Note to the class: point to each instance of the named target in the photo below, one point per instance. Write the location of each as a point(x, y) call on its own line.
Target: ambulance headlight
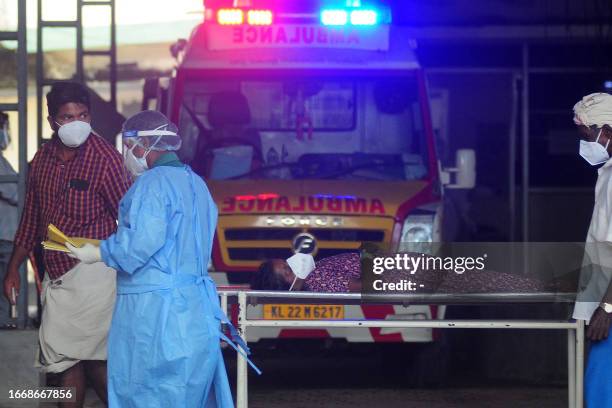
point(417, 233)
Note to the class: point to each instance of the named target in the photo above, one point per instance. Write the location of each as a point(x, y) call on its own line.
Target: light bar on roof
point(356, 17)
point(230, 16)
point(334, 17)
point(364, 17)
point(259, 17)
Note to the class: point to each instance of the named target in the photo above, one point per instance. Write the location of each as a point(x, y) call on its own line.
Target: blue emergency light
point(355, 16)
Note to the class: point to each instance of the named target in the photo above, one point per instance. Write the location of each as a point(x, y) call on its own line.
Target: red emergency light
point(262, 196)
point(236, 16)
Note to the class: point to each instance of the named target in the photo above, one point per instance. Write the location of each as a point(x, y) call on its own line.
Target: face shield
point(147, 140)
point(151, 131)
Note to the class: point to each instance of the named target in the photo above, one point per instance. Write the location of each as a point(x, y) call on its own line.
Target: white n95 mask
point(301, 265)
point(593, 152)
point(74, 134)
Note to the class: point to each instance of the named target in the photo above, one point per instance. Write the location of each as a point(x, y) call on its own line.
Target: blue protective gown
point(597, 383)
point(164, 341)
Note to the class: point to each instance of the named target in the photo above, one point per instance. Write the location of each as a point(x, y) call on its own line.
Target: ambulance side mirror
point(465, 170)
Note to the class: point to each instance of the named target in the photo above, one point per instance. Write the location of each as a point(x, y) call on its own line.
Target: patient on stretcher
point(342, 273)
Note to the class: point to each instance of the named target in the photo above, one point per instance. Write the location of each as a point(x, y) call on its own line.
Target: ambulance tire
point(416, 365)
point(430, 367)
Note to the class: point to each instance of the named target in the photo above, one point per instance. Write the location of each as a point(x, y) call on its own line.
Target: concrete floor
point(443, 398)
point(17, 353)
point(346, 382)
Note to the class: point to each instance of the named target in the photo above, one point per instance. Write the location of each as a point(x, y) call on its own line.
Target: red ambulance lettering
point(336, 37)
point(238, 37)
point(315, 204)
point(229, 205)
point(334, 204)
point(273, 203)
point(296, 36)
point(265, 204)
point(281, 36)
point(267, 35)
point(282, 204)
point(251, 35)
point(356, 205)
point(322, 36)
point(308, 35)
point(246, 205)
point(301, 207)
point(377, 207)
point(353, 37)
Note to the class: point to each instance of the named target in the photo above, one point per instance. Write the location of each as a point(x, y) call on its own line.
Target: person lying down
point(342, 273)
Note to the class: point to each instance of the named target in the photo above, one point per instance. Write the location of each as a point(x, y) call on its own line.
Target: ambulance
point(311, 124)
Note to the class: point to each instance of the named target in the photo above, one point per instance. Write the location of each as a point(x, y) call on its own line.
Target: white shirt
point(8, 203)
point(598, 250)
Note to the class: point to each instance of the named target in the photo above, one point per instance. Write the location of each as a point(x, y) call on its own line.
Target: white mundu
point(594, 283)
point(77, 312)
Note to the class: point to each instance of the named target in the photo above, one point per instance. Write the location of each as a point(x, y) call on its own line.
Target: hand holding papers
point(57, 240)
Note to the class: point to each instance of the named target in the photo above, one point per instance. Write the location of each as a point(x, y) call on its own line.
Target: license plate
point(303, 312)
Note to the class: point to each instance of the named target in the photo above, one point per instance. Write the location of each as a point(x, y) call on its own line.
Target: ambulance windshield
point(304, 128)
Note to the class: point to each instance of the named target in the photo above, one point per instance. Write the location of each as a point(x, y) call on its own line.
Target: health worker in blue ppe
point(164, 341)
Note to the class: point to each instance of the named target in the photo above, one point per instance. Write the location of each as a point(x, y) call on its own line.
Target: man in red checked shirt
point(75, 182)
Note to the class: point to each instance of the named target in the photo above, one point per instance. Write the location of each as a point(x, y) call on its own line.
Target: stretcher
point(575, 328)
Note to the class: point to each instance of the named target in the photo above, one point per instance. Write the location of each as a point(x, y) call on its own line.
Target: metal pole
point(242, 400)
point(571, 368)
point(39, 75)
point(512, 159)
point(431, 324)
point(525, 140)
point(580, 364)
point(224, 303)
point(22, 95)
point(113, 58)
point(79, 45)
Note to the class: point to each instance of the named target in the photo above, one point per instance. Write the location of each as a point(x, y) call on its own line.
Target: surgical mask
point(593, 152)
point(135, 165)
point(301, 265)
point(75, 133)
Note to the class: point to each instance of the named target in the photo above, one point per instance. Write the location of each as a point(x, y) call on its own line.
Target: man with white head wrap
point(593, 116)
point(594, 110)
point(164, 341)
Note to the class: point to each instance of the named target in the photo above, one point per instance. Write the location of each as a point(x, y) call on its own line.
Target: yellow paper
point(54, 246)
point(57, 240)
point(58, 236)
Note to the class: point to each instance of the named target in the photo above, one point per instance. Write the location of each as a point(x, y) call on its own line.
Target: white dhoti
point(76, 317)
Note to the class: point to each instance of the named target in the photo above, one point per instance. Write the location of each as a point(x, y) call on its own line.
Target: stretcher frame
point(575, 328)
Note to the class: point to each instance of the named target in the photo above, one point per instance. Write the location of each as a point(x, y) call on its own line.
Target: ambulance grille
point(258, 244)
point(280, 234)
point(261, 254)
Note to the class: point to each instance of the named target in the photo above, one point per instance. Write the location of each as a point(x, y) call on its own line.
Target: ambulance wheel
point(430, 366)
point(416, 365)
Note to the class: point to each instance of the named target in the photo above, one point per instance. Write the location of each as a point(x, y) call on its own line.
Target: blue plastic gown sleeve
point(141, 233)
